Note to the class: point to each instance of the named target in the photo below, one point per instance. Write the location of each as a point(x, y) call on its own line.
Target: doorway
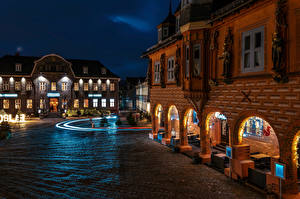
point(53, 105)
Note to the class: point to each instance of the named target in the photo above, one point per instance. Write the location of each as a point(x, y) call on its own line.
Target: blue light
point(53, 94)
point(9, 95)
point(279, 170)
point(95, 95)
point(229, 152)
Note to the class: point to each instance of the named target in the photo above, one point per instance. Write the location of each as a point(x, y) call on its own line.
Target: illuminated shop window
point(86, 86)
point(112, 87)
point(6, 86)
point(17, 86)
point(42, 86)
point(76, 103)
point(112, 102)
point(95, 86)
point(64, 103)
point(5, 104)
point(253, 50)
point(95, 103)
point(42, 103)
point(76, 86)
point(103, 102)
point(29, 104)
point(157, 72)
point(28, 86)
point(53, 86)
point(171, 64)
point(17, 104)
point(86, 103)
point(103, 86)
point(64, 86)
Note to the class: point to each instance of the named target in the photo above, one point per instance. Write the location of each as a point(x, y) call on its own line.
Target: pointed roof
point(170, 18)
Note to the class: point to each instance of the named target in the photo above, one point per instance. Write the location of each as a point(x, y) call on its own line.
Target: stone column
point(167, 139)
point(184, 145)
point(205, 153)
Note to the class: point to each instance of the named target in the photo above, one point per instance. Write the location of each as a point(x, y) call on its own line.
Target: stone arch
point(173, 122)
point(156, 118)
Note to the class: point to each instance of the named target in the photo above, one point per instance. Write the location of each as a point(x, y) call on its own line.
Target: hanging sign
point(280, 170)
point(229, 152)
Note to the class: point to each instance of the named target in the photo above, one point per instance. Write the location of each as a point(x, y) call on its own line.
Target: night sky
point(113, 32)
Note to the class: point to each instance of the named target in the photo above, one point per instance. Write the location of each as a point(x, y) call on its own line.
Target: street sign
point(229, 152)
point(280, 170)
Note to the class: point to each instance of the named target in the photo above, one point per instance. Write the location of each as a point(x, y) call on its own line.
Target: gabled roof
point(8, 63)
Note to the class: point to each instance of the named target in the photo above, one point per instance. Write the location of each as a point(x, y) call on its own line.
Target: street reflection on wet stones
point(52, 163)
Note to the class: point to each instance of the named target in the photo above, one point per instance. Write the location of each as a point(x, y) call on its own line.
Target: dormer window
point(85, 70)
point(18, 67)
point(166, 32)
point(159, 34)
point(103, 71)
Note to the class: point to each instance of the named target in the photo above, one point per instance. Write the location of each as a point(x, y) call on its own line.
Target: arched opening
point(261, 137)
point(218, 131)
point(173, 124)
point(191, 124)
point(296, 154)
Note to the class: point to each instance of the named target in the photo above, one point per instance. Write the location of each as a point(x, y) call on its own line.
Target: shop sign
point(53, 94)
point(280, 170)
point(229, 152)
point(95, 95)
point(9, 118)
point(9, 95)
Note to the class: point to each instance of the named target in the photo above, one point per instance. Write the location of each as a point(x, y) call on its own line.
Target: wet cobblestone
point(44, 162)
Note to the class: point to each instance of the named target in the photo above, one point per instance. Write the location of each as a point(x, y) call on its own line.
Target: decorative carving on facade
point(227, 56)
point(214, 41)
point(278, 43)
point(177, 67)
point(162, 70)
point(149, 73)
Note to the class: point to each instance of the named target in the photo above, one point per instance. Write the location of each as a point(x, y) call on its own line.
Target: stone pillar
point(167, 139)
point(155, 127)
point(205, 154)
point(184, 145)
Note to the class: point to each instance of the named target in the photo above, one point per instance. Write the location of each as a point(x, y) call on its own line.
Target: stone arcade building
point(53, 84)
point(230, 75)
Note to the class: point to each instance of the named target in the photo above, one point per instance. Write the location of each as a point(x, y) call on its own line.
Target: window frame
point(64, 86)
point(197, 61)
point(28, 86)
point(42, 86)
point(103, 103)
point(76, 103)
point(171, 69)
point(18, 103)
point(76, 86)
point(29, 103)
point(18, 67)
point(86, 103)
point(85, 70)
point(157, 72)
point(187, 61)
point(95, 103)
point(253, 49)
point(85, 86)
point(6, 104)
point(112, 103)
point(18, 86)
point(112, 87)
point(53, 86)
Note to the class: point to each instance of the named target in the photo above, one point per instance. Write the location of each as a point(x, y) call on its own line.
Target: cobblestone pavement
point(45, 162)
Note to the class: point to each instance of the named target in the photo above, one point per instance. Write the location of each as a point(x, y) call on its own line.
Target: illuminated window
point(76, 103)
point(42, 86)
point(29, 86)
point(18, 104)
point(112, 102)
point(86, 103)
point(103, 102)
point(76, 86)
point(64, 86)
point(103, 86)
point(95, 103)
point(29, 104)
point(85, 70)
point(95, 86)
point(112, 87)
point(171, 71)
point(6, 86)
point(17, 86)
point(18, 67)
point(157, 72)
point(42, 103)
point(5, 104)
point(86, 86)
point(53, 86)
point(253, 50)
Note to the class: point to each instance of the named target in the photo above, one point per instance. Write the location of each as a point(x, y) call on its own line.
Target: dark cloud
point(114, 32)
